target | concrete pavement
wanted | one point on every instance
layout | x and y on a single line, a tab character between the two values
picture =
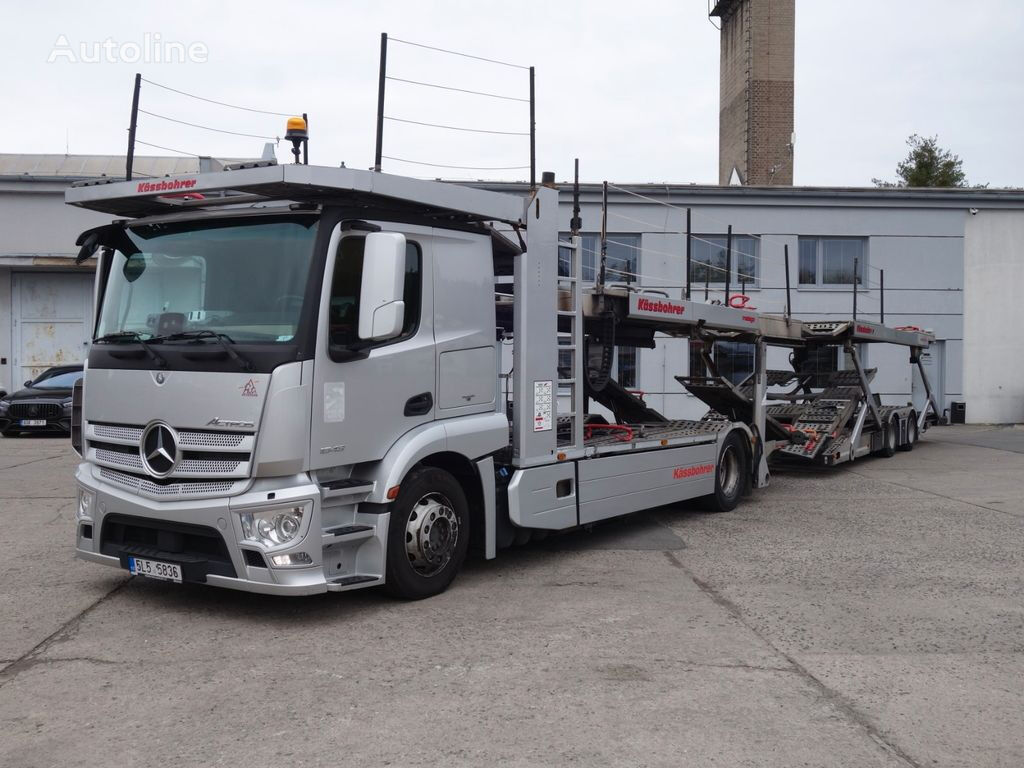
859	617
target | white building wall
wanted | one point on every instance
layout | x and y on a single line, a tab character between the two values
37	233
920	248
6	331
993	363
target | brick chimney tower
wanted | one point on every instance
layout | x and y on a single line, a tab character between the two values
755	125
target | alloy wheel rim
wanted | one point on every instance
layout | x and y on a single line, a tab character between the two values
431	534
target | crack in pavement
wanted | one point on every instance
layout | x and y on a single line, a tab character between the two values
33	461
66	631
844	706
935	494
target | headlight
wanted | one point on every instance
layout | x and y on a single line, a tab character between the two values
4	405
271	527
84	510
66	405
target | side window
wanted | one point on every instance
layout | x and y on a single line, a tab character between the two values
343	315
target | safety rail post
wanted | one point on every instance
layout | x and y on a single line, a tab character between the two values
130	159
689	253
856	266
382	76
305	141
789	306
575	223
604	238
533	133
728	263
881	296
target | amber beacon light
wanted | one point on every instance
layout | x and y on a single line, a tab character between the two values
297	134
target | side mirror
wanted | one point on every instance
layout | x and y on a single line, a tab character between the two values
381	293
28	383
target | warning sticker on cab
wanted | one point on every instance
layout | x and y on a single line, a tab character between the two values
541	406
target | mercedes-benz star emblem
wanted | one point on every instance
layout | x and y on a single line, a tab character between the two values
159	449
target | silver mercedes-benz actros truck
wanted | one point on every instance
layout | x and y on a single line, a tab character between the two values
296	385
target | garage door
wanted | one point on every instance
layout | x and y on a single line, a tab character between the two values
52	314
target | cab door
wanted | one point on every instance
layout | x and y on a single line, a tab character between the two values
363	404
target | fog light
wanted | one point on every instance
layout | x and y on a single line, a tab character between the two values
295	558
275	526
84	511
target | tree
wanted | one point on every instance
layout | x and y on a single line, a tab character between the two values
928	165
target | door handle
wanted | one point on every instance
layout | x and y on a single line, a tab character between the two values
419	405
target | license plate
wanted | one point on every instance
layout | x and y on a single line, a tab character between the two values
154	569
33	422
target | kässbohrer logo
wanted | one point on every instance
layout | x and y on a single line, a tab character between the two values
665	307
165	185
681	473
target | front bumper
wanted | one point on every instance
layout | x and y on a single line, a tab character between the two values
58	426
205	537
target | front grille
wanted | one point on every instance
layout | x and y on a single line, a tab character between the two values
175	488
206	467
202	454
121	458
35	410
115	432
200	550
210	439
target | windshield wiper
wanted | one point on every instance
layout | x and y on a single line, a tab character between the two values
221	338
119	337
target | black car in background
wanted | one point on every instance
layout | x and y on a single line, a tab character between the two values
44	405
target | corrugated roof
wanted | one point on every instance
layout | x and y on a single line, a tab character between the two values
97	166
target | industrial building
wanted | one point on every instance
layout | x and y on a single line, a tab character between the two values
952	260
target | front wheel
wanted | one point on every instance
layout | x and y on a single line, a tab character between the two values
428	535
730	475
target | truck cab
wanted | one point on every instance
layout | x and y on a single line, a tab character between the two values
261	382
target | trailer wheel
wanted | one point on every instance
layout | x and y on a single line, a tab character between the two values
911	433
890	435
428	535
730	472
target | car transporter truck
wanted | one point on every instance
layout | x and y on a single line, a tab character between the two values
295	383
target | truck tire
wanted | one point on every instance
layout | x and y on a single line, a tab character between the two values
911	433
730	474
890	435
428	535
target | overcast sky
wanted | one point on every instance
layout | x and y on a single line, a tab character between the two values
631	88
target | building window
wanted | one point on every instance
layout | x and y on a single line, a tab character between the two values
708	256
627	367
830	260
821	362
734	360
621	266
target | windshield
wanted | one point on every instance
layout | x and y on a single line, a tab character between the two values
64	380
245	278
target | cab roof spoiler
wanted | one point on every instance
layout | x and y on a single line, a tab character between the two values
267	182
